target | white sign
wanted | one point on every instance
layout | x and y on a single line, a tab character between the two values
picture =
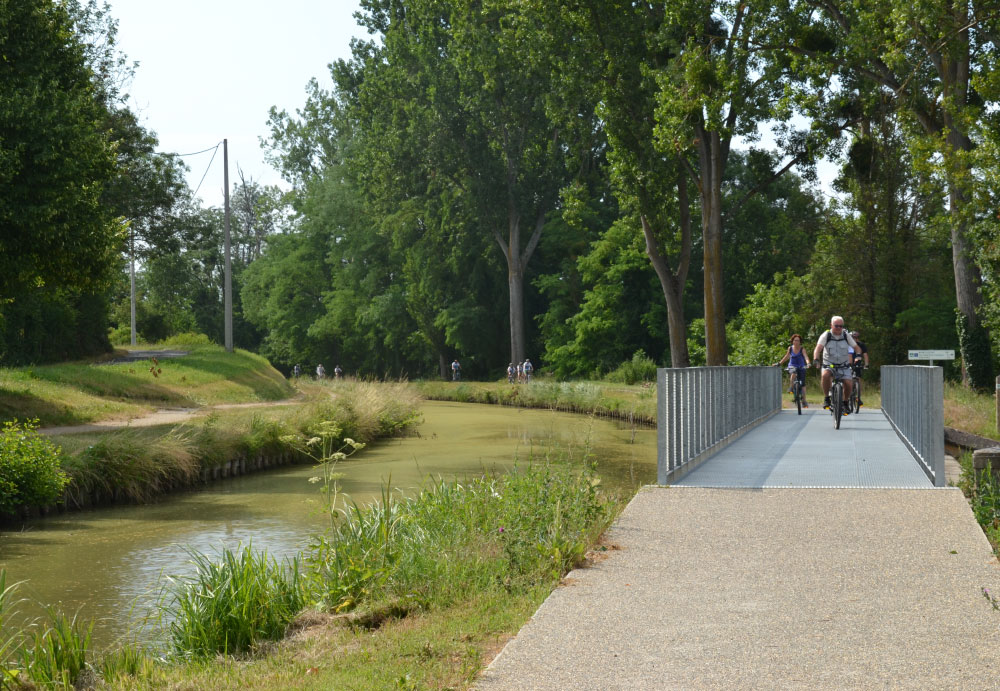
932	354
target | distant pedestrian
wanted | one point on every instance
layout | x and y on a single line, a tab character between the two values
297	370
456	370
510	373
519	368
337	372
528	369
320	372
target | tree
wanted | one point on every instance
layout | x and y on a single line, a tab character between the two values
928	58
55	158
462	91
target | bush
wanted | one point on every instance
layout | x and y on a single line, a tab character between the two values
30	468
640	368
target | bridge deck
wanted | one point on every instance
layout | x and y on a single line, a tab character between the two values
792	450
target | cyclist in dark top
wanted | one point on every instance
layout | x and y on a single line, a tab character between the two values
797	360
833	344
859	362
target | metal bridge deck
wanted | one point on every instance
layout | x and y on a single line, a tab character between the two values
791	450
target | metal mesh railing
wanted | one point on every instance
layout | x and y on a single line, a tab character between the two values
701	409
913	400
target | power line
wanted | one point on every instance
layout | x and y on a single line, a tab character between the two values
195	153
206	169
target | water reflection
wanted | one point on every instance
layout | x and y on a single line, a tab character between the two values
108	564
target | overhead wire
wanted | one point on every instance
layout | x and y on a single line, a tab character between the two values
206	169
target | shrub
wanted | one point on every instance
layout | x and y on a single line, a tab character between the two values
30	472
640	368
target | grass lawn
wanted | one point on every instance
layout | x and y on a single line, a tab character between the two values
88	391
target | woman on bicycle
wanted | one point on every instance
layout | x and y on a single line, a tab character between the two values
797	360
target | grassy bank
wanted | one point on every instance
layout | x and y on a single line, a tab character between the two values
89	391
136	465
415	592
633	402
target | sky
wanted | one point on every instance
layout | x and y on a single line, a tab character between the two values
211	70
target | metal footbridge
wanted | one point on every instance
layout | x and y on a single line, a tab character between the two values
777	552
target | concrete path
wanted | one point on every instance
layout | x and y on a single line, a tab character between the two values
799	557
771	589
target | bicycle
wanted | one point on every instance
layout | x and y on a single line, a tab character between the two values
837	402
796	389
854	403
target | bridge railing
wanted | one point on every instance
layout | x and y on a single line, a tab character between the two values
702	409
913	400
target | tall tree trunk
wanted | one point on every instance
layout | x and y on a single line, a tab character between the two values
712	160
517	262
673	282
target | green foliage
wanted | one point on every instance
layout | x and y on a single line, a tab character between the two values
639	369
976	353
55	157
232	605
454	539
773	312
985	500
30	473
56	657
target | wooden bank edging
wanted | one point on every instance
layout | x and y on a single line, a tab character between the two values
235	467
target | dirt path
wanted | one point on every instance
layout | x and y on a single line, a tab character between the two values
163	416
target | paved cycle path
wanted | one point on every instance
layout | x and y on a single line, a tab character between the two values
772	587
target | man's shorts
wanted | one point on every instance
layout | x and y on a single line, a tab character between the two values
843	372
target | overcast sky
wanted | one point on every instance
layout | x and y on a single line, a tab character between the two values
211	69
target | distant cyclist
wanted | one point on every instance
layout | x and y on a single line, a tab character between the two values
456	370
833	344
797	361
859	361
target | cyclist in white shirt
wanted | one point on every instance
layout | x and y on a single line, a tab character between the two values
833	344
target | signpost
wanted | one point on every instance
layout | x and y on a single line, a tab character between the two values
932	355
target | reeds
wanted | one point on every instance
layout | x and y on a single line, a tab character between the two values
233	604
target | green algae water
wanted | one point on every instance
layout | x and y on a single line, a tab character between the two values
110	564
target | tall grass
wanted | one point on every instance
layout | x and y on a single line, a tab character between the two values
233	604
127	465
9	644
601	398
970	411
453	540
56	657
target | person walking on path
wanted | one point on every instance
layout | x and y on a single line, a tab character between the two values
297	370
528	369
320	372
337	372
456	370
797	361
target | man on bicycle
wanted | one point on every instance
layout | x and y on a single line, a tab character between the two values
833	344
859	361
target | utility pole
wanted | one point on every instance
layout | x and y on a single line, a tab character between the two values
131	263
228	286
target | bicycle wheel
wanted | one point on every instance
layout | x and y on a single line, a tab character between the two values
838	403
797	395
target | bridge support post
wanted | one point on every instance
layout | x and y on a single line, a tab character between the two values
989	458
